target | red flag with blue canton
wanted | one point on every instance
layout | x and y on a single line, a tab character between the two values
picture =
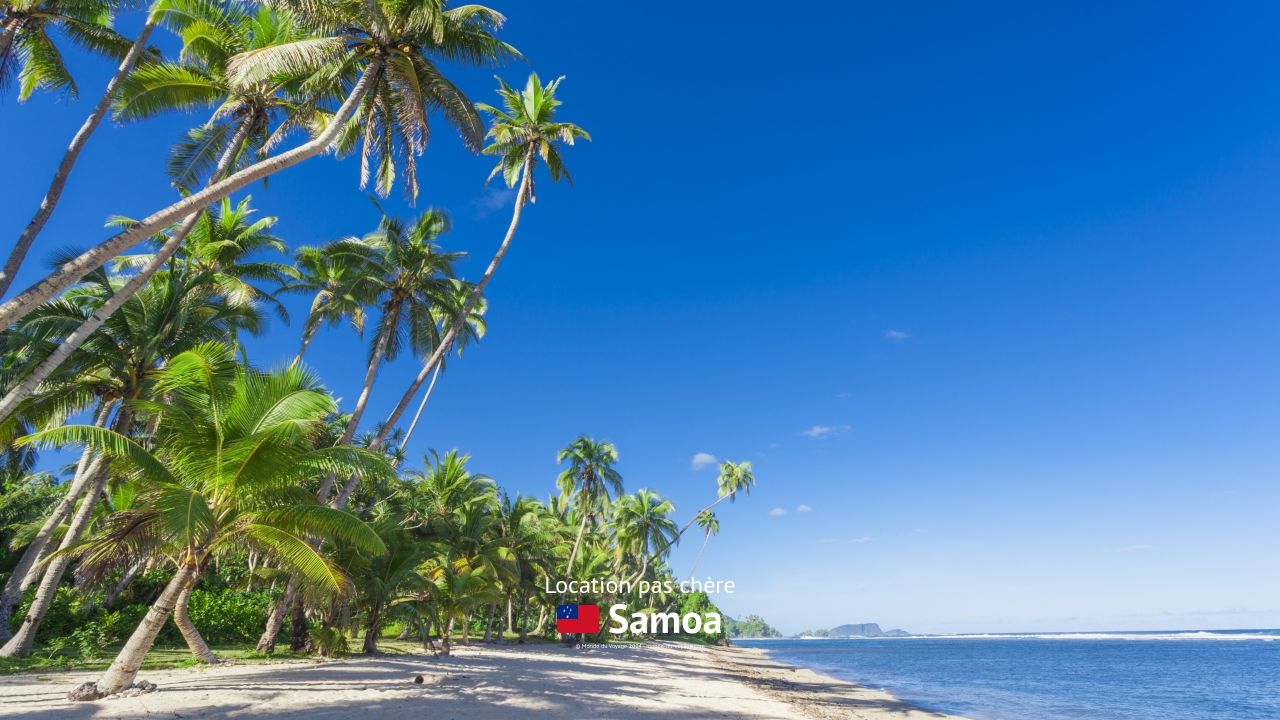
577	618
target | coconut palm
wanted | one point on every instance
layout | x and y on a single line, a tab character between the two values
412	276
340	277
710	526
215	33
27	31
88	24
234	445
173	313
225	244
732	479
472	332
384	49
641	525
383	581
522	134
588	483
535	538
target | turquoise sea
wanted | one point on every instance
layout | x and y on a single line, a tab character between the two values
1181	675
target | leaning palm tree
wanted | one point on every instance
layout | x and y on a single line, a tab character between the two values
641	524
472	332
710	526
413	278
226	244
339	277
27	30
522	134
115	368
215	33
588	483
733	478
25	26
385	48
234	445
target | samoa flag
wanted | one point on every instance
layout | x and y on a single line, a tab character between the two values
577	619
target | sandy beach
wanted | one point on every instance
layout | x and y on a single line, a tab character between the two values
658	680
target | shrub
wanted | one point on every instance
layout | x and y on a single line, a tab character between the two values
328	642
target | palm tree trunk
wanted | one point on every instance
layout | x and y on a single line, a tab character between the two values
421	406
573	555
124	668
488	628
701	550
28	385
27	570
81	138
275	619
372	627
308	335
446	637
389	320
511	628
299	638
116	590
190	633
524	616
20	644
522	196
8	33
95	257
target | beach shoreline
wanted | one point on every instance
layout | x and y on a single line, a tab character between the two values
482	682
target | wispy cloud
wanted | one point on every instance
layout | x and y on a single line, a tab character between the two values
777	512
702	459
896	335
820	432
862	540
1126	549
803	508
493	199
843	395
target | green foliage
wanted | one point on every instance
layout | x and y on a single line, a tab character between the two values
329	642
752	626
229	616
698	602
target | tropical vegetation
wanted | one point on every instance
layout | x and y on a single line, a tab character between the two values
216	501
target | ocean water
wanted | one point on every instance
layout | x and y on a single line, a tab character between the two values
1206	675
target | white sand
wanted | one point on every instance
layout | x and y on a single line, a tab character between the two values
658	680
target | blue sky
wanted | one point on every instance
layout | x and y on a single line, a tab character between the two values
988	289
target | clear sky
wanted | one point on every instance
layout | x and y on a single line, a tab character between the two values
987	293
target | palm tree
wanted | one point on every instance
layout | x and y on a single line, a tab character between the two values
340	277
521	135
384	581
224	244
641	524
88	24
384	45
733	478
412	276
174	313
711	526
588	483
27	46
473	331
152	90
233	446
